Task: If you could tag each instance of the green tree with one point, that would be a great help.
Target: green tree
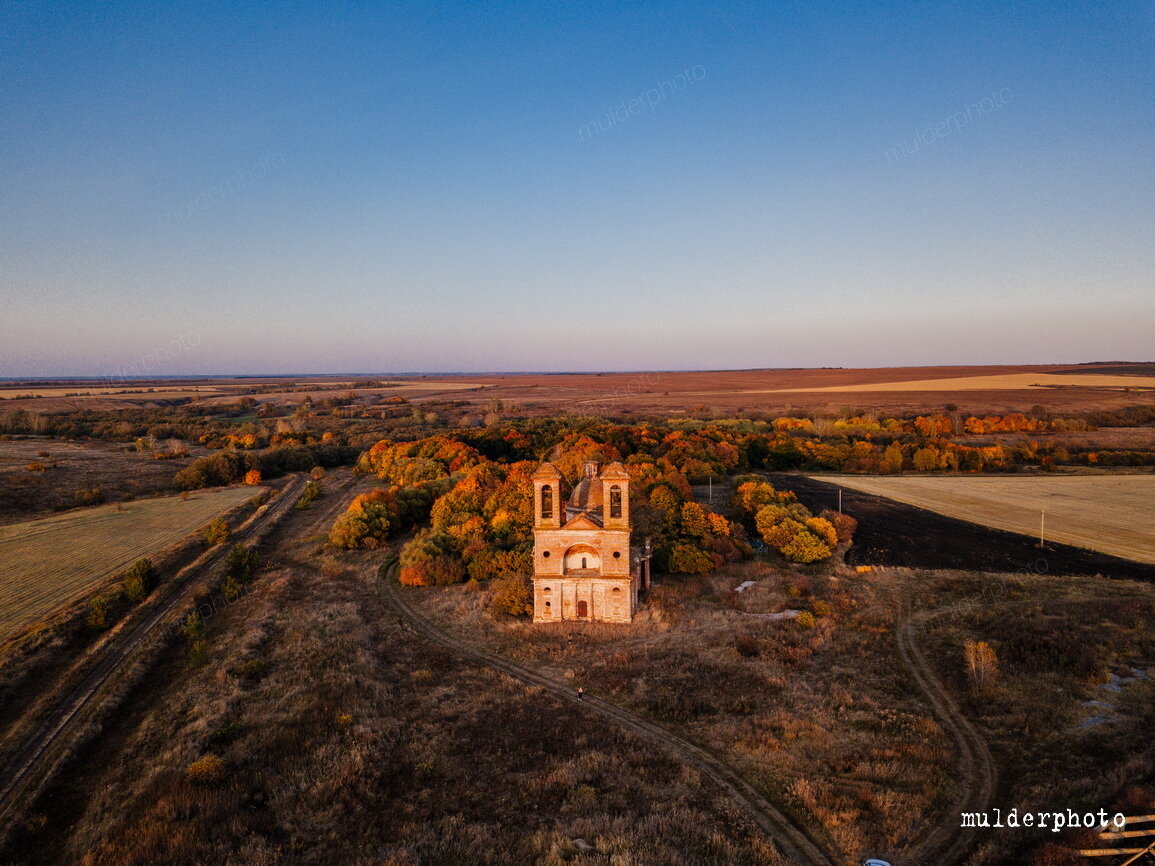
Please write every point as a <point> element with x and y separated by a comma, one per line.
<point>242,562</point>
<point>139,580</point>
<point>689,559</point>
<point>217,532</point>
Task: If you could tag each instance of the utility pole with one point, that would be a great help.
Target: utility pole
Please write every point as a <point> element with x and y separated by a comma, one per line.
<point>839,500</point>
<point>1043,528</point>
<point>711,490</point>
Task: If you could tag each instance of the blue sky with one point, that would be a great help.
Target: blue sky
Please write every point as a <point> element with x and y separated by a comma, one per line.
<point>307,187</point>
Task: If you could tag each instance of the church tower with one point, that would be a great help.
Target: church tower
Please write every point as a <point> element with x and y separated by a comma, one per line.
<point>547,505</point>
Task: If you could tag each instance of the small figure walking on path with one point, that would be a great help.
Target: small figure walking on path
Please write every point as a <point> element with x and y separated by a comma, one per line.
<point>581,694</point>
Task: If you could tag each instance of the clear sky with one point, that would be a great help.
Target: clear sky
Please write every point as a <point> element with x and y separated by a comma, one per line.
<point>382,187</point>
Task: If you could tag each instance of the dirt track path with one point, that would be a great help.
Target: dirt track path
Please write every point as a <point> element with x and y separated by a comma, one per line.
<point>946,843</point>
<point>793,842</point>
<point>80,704</point>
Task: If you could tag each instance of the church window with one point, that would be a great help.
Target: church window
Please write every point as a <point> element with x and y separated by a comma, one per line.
<point>546,501</point>
<point>616,501</point>
<point>545,554</point>
<point>617,554</point>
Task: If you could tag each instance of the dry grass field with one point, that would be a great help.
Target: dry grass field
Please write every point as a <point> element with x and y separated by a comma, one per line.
<point>1112,514</point>
<point>115,468</point>
<point>985,389</point>
<point>50,562</point>
<point>318,730</point>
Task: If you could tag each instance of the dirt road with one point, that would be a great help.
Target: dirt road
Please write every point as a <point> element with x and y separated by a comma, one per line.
<point>794,843</point>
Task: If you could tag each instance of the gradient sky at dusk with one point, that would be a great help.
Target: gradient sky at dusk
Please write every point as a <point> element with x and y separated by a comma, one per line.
<point>385,187</point>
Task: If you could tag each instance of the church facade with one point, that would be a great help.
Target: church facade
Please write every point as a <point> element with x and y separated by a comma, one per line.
<point>584,567</point>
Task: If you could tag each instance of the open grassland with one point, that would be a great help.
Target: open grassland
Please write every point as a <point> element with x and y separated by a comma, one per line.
<point>319,730</point>
<point>824,716</point>
<point>50,562</point>
<point>1112,514</point>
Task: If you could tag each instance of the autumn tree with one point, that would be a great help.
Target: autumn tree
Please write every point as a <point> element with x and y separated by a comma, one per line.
<point>982,665</point>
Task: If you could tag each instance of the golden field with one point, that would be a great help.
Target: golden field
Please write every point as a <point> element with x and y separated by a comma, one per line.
<point>50,562</point>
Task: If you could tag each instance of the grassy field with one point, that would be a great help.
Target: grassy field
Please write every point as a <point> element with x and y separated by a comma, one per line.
<point>48,562</point>
<point>1111,514</point>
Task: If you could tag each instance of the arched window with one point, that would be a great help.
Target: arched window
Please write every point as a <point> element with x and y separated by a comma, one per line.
<point>546,501</point>
<point>616,501</point>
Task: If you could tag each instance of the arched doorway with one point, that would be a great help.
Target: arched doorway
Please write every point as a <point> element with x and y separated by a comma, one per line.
<point>582,609</point>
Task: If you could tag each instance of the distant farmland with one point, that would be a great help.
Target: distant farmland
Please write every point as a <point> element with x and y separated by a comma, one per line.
<point>49,562</point>
<point>1112,514</point>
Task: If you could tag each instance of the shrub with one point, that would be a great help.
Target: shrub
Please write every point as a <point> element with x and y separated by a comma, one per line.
<point>311,492</point>
<point>207,770</point>
<point>97,616</point>
<point>844,525</point>
<point>242,562</point>
<point>821,608</point>
<point>217,532</point>
<point>253,477</point>
<point>139,580</point>
<point>513,596</point>
<point>89,496</point>
<point>366,523</point>
<point>806,619</point>
<point>36,467</point>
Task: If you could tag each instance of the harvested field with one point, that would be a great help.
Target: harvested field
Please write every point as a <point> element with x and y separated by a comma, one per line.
<point>53,561</point>
<point>1111,514</point>
<point>1005,382</point>
<point>894,533</point>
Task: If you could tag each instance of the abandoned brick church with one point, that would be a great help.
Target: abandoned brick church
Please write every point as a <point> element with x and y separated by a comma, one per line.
<point>584,567</point>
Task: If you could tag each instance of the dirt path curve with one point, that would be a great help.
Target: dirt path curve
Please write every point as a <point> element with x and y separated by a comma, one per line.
<point>793,842</point>
<point>48,746</point>
<point>946,843</point>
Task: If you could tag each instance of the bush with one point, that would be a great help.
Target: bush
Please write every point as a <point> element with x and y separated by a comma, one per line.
<point>89,496</point>
<point>365,524</point>
<point>806,619</point>
<point>36,467</point>
<point>207,771</point>
<point>513,596</point>
<point>139,580</point>
<point>311,492</point>
<point>97,616</point>
<point>242,562</point>
<point>217,532</point>
<point>844,525</point>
